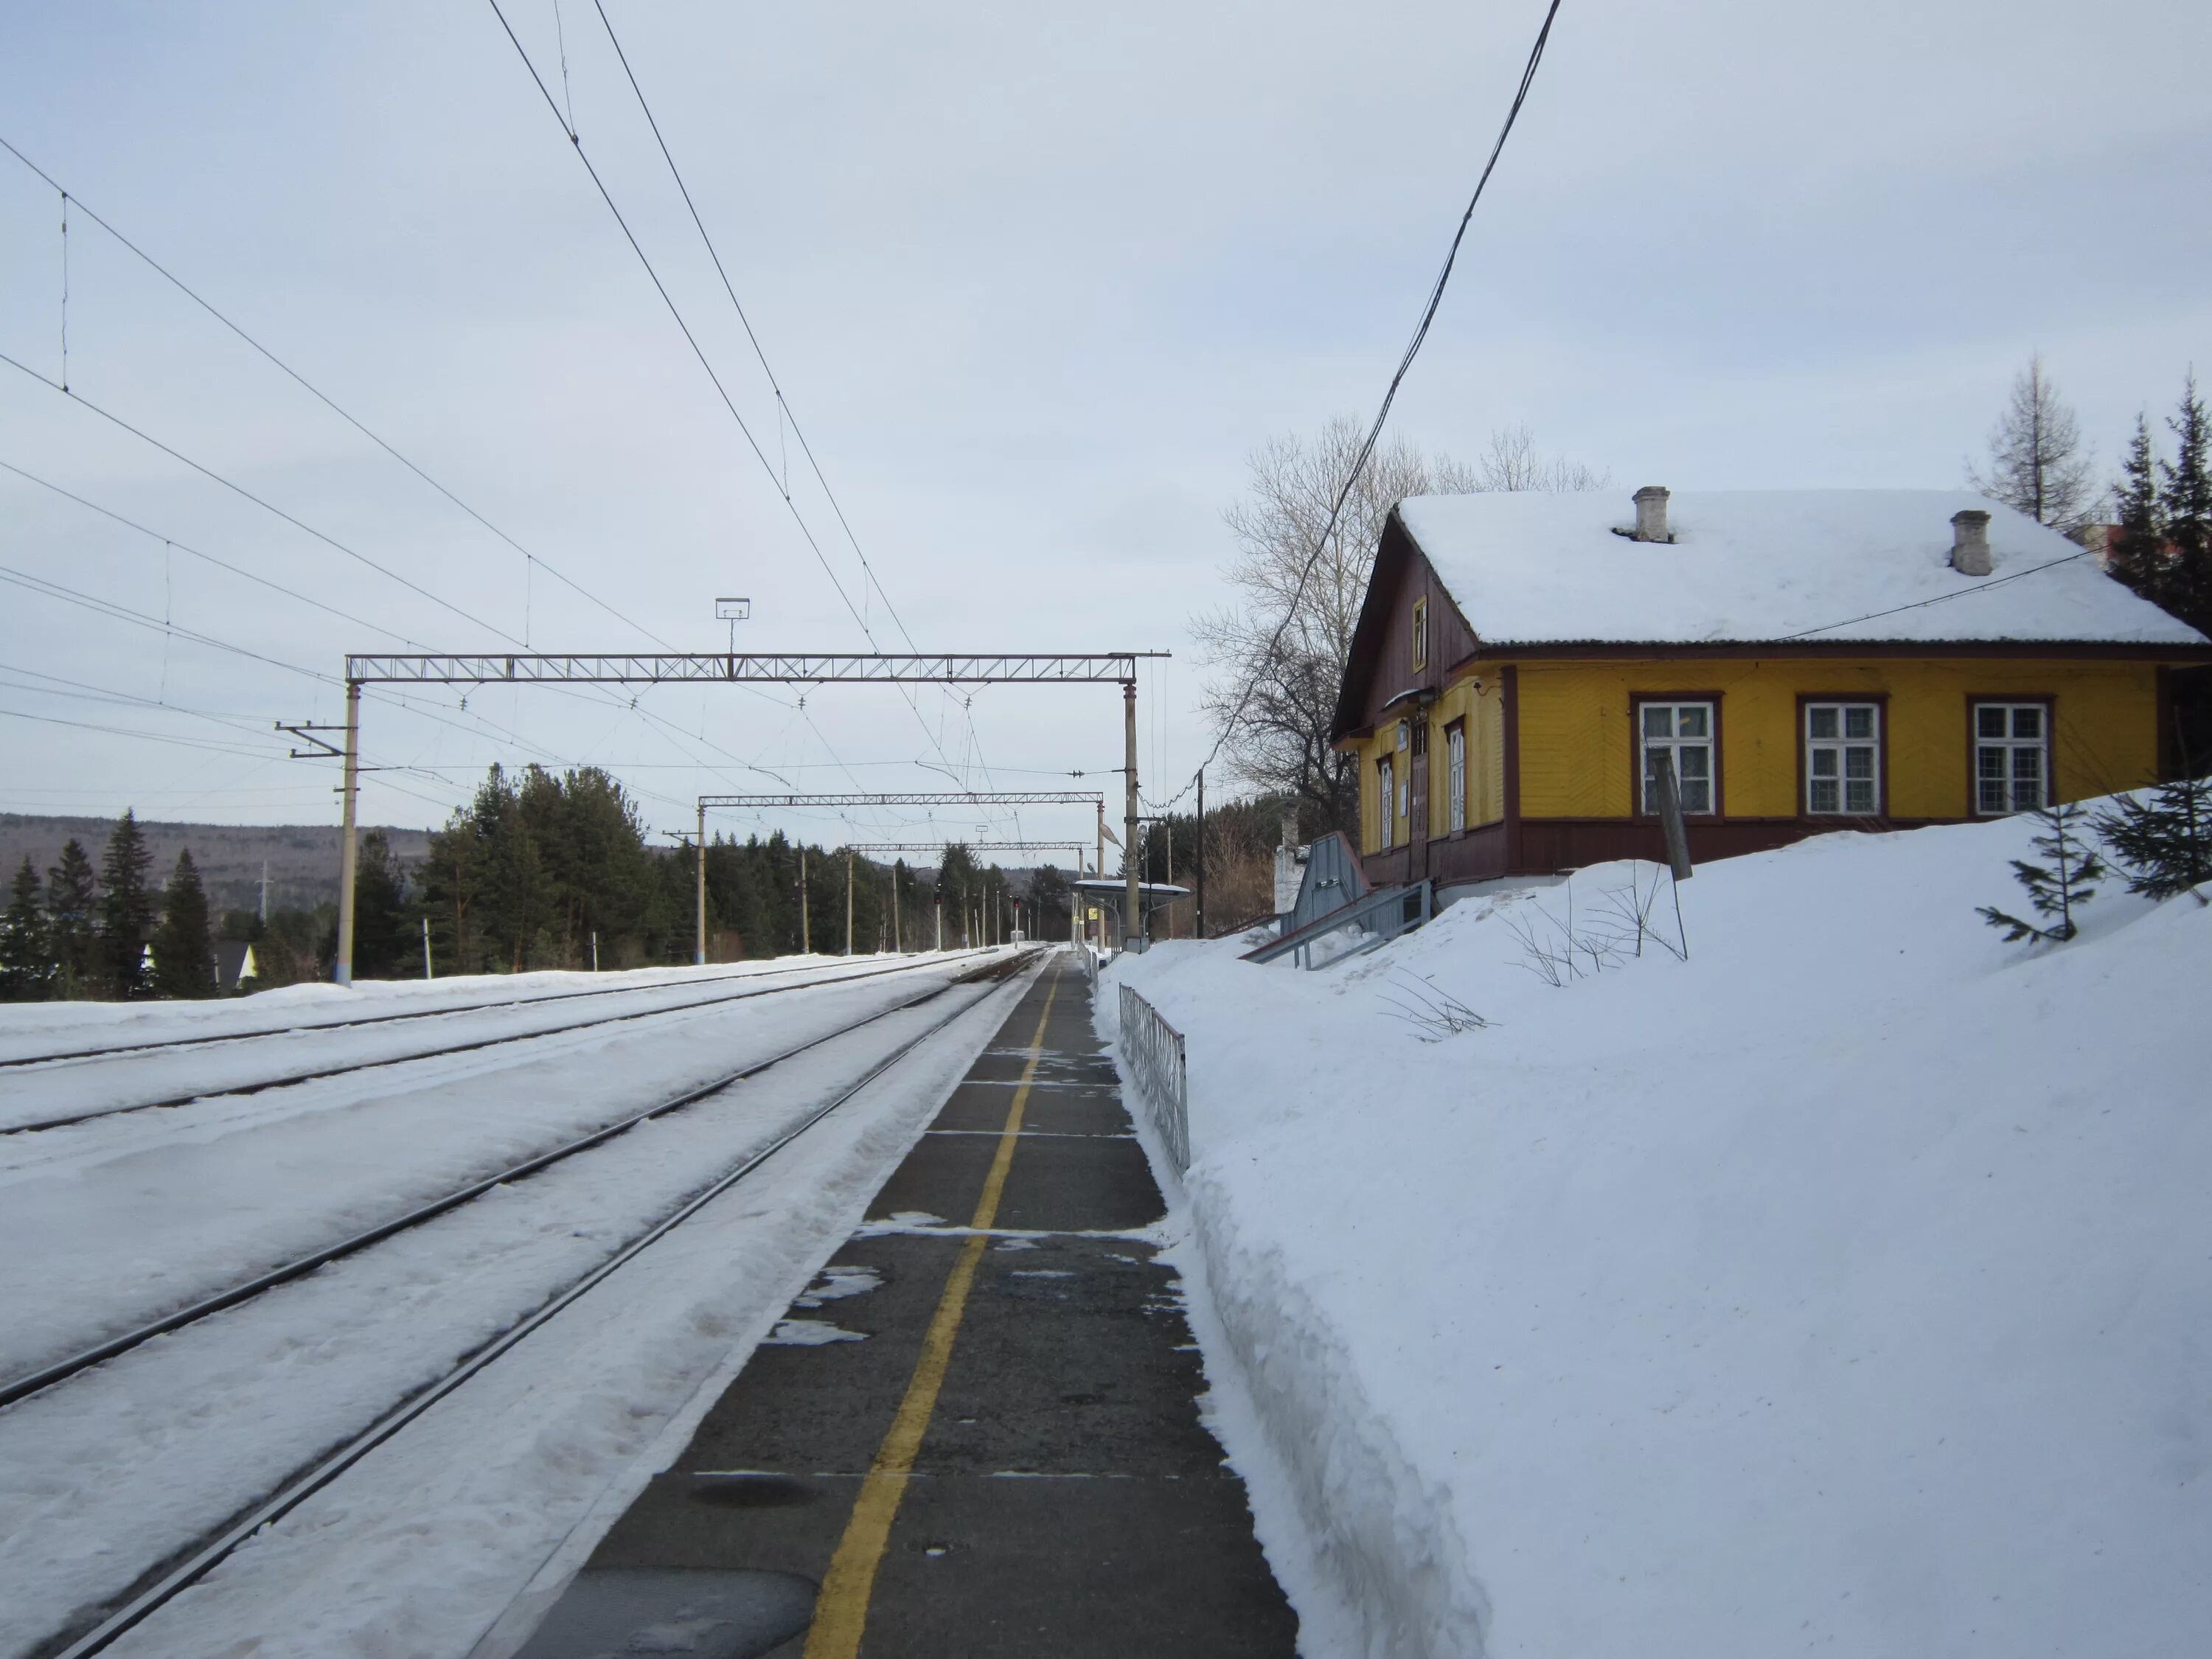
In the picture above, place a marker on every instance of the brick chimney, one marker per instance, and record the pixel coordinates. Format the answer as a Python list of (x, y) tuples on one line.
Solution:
[(1651, 514), (1970, 541)]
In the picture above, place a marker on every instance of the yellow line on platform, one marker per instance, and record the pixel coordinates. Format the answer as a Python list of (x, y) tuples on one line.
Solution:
[(841, 1611)]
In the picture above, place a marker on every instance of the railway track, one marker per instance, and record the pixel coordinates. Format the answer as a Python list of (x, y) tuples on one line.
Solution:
[(447, 1011), (312, 1074), (166, 1579)]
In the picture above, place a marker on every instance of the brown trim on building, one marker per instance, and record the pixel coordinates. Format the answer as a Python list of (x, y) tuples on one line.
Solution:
[(1636, 701), (1509, 693), (1881, 700), (1974, 700), (1670, 651)]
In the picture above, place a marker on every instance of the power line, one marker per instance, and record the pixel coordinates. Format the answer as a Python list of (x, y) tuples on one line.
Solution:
[(675, 312), (329, 403), (240, 489), (220, 564), (1978, 588), (1404, 364), (782, 402)]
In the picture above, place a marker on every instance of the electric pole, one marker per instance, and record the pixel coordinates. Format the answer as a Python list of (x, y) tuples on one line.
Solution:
[(805, 935), (848, 901), (1132, 924), (1198, 911), (349, 860), (699, 948)]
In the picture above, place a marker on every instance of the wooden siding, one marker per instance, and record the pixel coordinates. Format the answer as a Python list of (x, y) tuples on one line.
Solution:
[(1577, 740)]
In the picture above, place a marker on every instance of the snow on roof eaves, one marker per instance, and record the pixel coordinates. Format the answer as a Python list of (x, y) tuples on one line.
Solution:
[(1766, 566)]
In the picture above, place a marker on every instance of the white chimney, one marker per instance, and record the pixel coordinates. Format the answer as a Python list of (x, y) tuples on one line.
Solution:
[(1970, 541), (1651, 514)]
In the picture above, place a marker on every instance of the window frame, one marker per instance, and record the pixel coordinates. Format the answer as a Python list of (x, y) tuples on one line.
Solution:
[(1455, 820), (1386, 795), (1809, 701), (1976, 701), (1638, 703), (1421, 633)]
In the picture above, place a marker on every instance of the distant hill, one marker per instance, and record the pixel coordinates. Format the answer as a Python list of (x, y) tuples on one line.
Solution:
[(302, 859)]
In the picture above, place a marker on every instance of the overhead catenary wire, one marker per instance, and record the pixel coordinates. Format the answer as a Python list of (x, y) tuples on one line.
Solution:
[(1397, 379), (776, 477), (326, 400)]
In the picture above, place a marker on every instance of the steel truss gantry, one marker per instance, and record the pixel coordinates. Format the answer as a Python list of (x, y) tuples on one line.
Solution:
[(788, 668), (728, 667), (919, 798)]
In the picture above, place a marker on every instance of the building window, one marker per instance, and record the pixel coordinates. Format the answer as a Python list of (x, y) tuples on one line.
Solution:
[(1421, 633), (1386, 800), (1843, 758), (1404, 736), (2012, 756), (1455, 771), (1685, 731)]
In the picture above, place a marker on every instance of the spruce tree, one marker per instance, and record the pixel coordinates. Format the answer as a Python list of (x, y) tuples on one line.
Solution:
[(27, 966), (382, 935), (2055, 888), (126, 908), (73, 923), (2137, 555), (2185, 503), (183, 949), (2163, 843)]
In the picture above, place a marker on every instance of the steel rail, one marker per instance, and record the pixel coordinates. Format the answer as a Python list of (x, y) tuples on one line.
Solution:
[(313, 1478), (213, 1037), (61, 1370), (290, 1078)]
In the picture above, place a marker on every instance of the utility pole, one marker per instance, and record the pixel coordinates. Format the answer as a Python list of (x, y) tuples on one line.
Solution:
[(595, 950), (805, 932), (427, 971), (939, 903), (699, 950), (265, 893), (1199, 911), (348, 853), (1168, 830), (1132, 924), (898, 944), (848, 901)]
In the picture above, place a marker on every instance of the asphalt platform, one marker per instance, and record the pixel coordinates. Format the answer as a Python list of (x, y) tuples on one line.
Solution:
[(976, 1435)]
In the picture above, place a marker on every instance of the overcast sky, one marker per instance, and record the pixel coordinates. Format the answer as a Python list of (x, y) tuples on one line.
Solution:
[(1035, 286)]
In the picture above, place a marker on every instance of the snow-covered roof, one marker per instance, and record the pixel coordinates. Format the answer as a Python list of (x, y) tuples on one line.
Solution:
[(1767, 566)]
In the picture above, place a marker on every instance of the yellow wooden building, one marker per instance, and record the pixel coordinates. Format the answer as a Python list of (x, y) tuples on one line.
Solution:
[(1808, 660)]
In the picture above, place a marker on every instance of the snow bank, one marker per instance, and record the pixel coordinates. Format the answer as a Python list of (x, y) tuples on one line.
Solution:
[(1844, 1285)]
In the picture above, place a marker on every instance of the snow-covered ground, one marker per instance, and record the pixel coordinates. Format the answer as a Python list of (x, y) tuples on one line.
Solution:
[(419, 1548), (174, 1050), (1846, 1287)]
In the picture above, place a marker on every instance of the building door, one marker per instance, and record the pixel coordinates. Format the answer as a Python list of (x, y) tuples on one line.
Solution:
[(1417, 803)]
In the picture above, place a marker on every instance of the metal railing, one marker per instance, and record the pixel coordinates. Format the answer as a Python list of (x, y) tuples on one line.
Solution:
[(1153, 1049)]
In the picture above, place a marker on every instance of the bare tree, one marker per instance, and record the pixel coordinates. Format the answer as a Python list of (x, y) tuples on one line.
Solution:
[(1280, 739), (2037, 463)]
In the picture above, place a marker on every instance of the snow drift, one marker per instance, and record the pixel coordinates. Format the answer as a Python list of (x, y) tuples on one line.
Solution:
[(1846, 1285)]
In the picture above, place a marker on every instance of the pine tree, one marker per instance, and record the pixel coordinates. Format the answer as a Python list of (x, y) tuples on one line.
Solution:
[(73, 922), (27, 966), (2036, 463), (2057, 887), (126, 908), (2164, 844), (183, 949)]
